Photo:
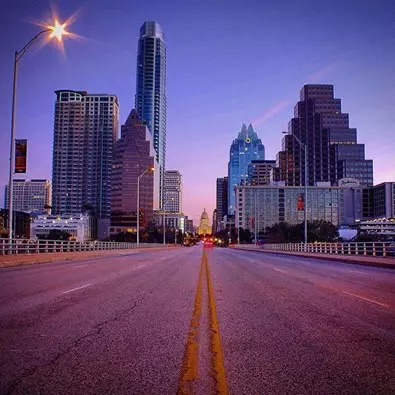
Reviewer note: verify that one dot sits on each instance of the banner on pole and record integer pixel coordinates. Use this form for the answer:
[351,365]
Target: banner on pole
[20,156]
[300,205]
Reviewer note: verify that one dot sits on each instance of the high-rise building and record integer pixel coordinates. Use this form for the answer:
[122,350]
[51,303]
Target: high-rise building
[133,154]
[245,148]
[333,152]
[215,221]
[172,195]
[30,195]
[259,171]
[222,202]
[151,90]
[85,130]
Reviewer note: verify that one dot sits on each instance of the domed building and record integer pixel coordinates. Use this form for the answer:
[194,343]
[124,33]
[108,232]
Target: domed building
[204,227]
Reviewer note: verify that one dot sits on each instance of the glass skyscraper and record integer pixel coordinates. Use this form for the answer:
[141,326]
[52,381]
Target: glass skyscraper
[244,149]
[333,151]
[151,90]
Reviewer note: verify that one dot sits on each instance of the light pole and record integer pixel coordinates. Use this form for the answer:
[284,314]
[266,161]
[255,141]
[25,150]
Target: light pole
[304,147]
[138,202]
[58,31]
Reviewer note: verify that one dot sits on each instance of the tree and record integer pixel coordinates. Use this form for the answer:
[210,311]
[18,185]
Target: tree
[180,237]
[56,234]
[318,230]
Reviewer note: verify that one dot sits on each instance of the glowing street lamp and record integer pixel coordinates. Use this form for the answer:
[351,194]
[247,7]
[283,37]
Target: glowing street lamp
[57,31]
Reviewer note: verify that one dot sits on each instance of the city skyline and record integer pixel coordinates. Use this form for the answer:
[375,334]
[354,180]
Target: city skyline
[205,106]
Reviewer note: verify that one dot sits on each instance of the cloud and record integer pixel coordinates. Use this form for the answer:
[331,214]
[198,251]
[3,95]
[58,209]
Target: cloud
[271,112]
[321,73]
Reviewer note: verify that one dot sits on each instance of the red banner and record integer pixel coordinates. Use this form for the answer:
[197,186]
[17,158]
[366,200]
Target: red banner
[300,205]
[20,156]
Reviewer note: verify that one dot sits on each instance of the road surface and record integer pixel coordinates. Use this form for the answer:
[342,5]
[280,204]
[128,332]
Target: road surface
[194,320]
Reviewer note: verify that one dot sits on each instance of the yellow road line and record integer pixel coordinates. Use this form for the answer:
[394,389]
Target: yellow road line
[189,370]
[217,357]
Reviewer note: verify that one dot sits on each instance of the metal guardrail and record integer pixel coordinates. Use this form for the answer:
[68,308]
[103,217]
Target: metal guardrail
[29,246]
[379,249]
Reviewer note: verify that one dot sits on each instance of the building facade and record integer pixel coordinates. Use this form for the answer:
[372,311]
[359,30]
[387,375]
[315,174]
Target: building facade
[384,200]
[333,151]
[267,205]
[221,202]
[189,228]
[174,221]
[21,227]
[150,100]
[30,195]
[172,195]
[204,225]
[245,148]
[85,131]
[80,227]
[133,154]
[259,171]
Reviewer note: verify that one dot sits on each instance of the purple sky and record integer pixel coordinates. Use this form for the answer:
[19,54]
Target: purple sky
[228,62]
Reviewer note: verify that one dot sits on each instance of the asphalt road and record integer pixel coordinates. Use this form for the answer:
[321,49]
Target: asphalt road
[192,322]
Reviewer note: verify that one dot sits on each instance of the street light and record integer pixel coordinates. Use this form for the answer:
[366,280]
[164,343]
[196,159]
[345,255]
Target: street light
[57,31]
[304,147]
[138,202]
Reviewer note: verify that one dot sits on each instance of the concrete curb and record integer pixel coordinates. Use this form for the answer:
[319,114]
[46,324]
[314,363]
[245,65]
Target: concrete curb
[70,256]
[337,258]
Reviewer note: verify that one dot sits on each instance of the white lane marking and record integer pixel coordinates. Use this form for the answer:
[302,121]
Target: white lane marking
[138,267]
[354,271]
[279,270]
[81,266]
[363,298]
[76,289]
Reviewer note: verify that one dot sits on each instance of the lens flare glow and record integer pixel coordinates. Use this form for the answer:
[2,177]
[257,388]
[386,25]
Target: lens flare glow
[58,30]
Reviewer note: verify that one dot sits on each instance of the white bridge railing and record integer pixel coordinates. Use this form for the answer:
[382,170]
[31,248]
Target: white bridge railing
[28,246]
[380,249]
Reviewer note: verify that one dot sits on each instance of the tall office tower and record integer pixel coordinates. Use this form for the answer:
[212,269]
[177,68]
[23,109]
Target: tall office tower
[259,171]
[151,90]
[85,130]
[222,201]
[333,152]
[133,155]
[30,195]
[172,196]
[215,227]
[245,148]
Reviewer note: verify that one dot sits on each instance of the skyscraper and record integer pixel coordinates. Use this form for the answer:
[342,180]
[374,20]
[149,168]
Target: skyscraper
[85,130]
[333,152]
[30,195]
[221,201]
[245,148]
[172,196]
[133,154]
[259,171]
[151,90]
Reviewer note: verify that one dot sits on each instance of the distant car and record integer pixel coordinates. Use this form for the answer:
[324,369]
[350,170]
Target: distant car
[208,243]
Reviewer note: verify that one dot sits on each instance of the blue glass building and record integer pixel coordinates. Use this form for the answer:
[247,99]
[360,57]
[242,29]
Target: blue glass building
[150,98]
[244,149]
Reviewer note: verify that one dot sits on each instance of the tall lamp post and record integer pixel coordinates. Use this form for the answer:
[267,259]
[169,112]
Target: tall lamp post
[304,147]
[138,202]
[58,31]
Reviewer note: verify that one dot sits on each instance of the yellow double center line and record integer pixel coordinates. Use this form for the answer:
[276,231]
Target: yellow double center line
[189,370]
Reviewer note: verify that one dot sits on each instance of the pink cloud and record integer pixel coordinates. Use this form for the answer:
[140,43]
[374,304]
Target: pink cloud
[271,112]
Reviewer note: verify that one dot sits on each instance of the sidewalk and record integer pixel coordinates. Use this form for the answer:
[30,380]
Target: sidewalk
[30,259]
[377,261]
